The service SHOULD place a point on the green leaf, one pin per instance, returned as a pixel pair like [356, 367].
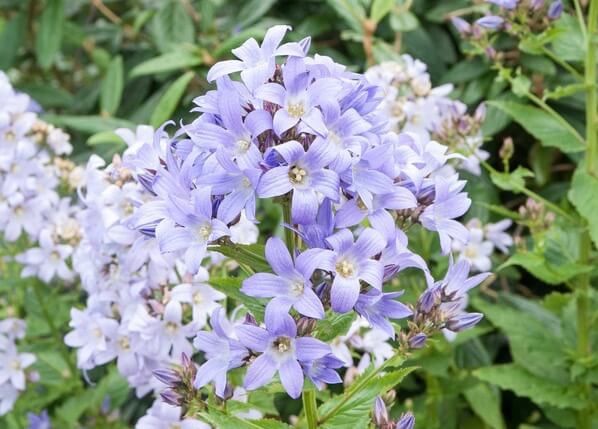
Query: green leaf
[403, 21]
[568, 44]
[172, 26]
[334, 325]
[11, 39]
[584, 196]
[88, 124]
[381, 8]
[536, 343]
[541, 125]
[222, 421]
[523, 383]
[513, 181]
[52, 368]
[251, 255]
[351, 11]
[465, 71]
[112, 87]
[170, 100]
[176, 60]
[49, 33]
[537, 265]
[231, 286]
[252, 11]
[485, 402]
[352, 409]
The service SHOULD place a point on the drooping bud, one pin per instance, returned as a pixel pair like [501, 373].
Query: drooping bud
[490, 22]
[462, 26]
[407, 421]
[555, 10]
[418, 341]
[464, 321]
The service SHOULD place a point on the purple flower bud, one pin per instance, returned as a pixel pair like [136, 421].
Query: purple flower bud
[171, 397]
[407, 421]
[555, 10]
[380, 413]
[41, 421]
[490, 52]
[490, 22]
[250, 320]
[418, 340]
[505, 4]
[106, 405]
[167, 376]
[462, 26]
[463, 321]
[536, 4]
[427, 300]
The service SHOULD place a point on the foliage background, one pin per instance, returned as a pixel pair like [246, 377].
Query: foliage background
[95, 66]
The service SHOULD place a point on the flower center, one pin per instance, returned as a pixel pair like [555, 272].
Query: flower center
[204, 231]
[55, 256]
[345, 268]
[19, 211]
[9, 136]
[197, 298]
[15, 364]
[97, 332]
[471, 252]
[334, 139]
[297, 175]
[245, 182]
[282, 344]
[297, 288]
[124, 343]
[172, 327]
[243, 145]
[296, 110]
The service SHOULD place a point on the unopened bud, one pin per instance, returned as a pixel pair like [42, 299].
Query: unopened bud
[507, 149]
[407, 421]
[418, 341]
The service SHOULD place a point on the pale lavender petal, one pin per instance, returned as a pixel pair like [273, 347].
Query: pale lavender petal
[274, 182]
[291, 377]
[344, 294]
[283, 122]
[279, 257]
[252, 337]
[310, 305]
[371, 272]
[264, 285]
[310, 349]
[369, 243]
[223, 68]
[304, 206]
[260, 372]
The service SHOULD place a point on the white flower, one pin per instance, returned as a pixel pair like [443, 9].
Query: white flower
[13, 365]
[90, 335]
[202, 297]
[495, 232]
[46, 261]
[164, 416]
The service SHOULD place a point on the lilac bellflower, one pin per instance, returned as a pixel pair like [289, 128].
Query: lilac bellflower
[281, 351]
[291, 285]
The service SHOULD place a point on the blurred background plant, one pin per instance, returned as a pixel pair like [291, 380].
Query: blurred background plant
[98, 65]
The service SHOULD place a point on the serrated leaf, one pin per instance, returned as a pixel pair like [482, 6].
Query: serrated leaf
[170, 100]
[49, 33]
[513, 181]
[355, 404]
[537, 342]
[334, 325]
[223, 421]
[542, 126]
[168, 62]
[112, 87]
[523, 383]
[584, 196]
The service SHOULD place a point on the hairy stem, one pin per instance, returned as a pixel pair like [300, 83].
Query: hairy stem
[310, 408]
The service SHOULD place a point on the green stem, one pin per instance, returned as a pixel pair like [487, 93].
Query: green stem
[591, 97]
[289, 234]
[310, 408]
[582, 24]
[544, 106]
[563, 64]
[584, 419]
[53, 329]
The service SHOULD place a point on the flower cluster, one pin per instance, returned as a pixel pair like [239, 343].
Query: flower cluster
[413, 106]
[143, 307]
[310, 135]
[483, 241]
[13, 364]
[32, 174]
[516, 18]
